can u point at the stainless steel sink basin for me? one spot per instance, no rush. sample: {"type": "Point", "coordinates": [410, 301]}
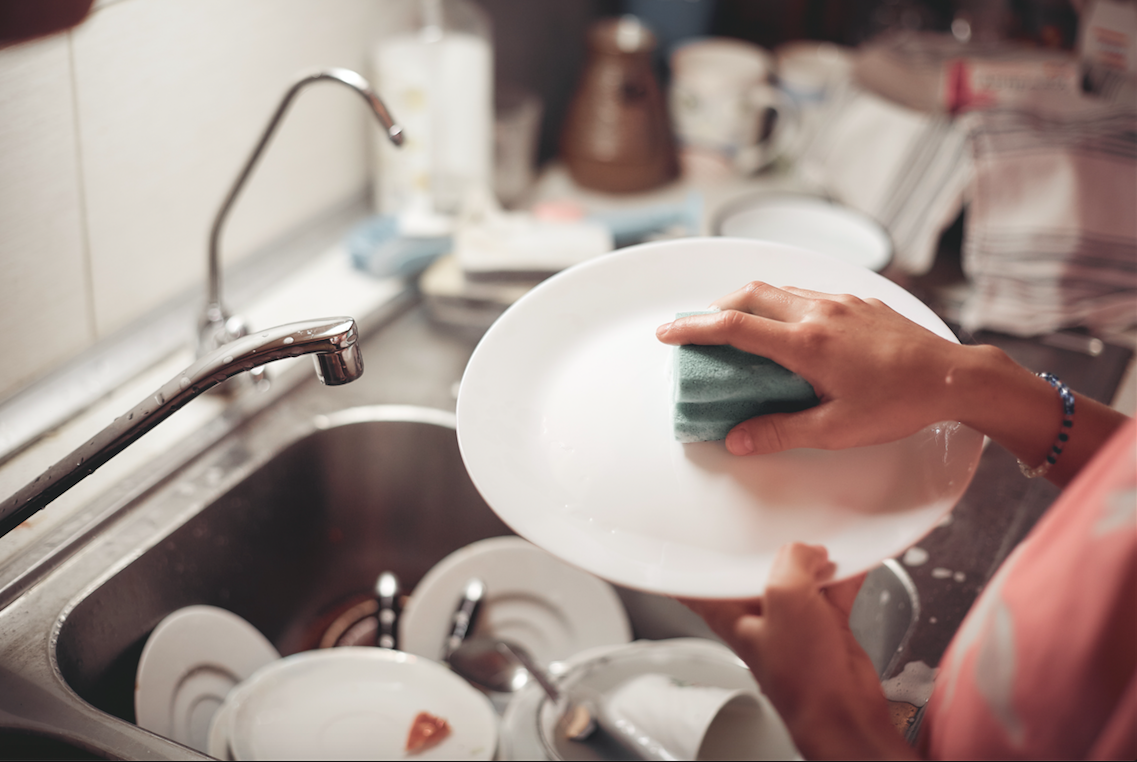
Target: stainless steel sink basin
{"type": "Point", "coordinates": [372, 489]}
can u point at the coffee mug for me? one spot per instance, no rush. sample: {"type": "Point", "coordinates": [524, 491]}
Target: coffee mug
{"type": "Point", "coordinates": [661, 718]}
{"type": "Point", "coordinates": [724, 109]}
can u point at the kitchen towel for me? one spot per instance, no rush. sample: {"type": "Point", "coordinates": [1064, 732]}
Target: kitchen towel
{"type": "Point", "coordinates": [907, 169]}
{"type": "Point", "coordinates": [1050, 235]}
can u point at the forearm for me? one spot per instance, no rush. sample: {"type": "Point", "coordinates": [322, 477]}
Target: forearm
{"type": "Point", "coordinates": [994, 395]}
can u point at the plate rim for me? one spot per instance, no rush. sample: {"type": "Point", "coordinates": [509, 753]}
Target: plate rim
{"type": "Point", "coordinates": [731, 249]}
{"type": "Point", "coordinates": [616, 615]}
{"type": "Point", "coordinates": [363, 654]}
{"type": "Point", "coordinates": [154, 662]}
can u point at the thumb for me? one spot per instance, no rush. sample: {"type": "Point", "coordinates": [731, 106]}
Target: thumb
{"type": "Point", "coordinates": [776, 432]}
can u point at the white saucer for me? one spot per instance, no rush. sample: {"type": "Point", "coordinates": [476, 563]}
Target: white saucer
{"type": "Point", "coordinates": [565, 426]}
{"type": "Point", "coordinates": [541, 603]}
{"type": "Point", "coordinates": [355, 703]}
{"type": "Point", "coordinates": [812, 223]}
{"type": "Point", "coordinates": [191, 661]}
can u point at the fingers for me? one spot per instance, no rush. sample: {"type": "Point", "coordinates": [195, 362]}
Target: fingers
{"type": "Point", "coordinates": [795, 579]}
{"type": "Point", "coordinates": [842, 594]}
{"type": "Point", "coordinates": [756, 318]}
{"type": "Point", "coordinates": [750, 333]}
{"type": "Point", "coordinates": [735, 621]}
{"type": "Point", "coordinates": [775, 432]}
{"type": "Point", "coordinates": [725, 327]}
{"type": "Point", "coordinates": [758, 298]}
{"type": "Point", "coordinates": [723, 609]}
{"type": "Point", "coordinates": [798, 566]}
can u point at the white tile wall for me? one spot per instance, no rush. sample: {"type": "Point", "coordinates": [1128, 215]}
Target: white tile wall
{"type": "Point", "coordinates": [120, 138]}
{"type": "Point", "coordinates": [44, 285]}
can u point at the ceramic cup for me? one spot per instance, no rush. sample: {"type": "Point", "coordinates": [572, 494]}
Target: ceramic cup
{"type": "Point", "coordinates": [725, 110]}
{"type": "Point", "coordinates": [662, 718]}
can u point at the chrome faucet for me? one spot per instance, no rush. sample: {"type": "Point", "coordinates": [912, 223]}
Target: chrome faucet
{"type": "Point", "coordinates": [217, 326]}
{"type": "Point", "coordinates": [224, 347]}
{"type": "Point", "coordinates": [331, 341]}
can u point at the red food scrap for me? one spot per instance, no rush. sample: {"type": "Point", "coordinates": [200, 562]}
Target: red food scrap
{"type": "Point", "coordinates": [426, 732]}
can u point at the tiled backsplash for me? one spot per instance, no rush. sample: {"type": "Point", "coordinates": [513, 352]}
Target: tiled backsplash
{"type": "Point", "coordinates": [120, 138]}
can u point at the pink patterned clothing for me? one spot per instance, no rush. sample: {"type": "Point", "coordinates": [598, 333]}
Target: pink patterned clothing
{"type": "Point", "coordinates": [1043, 666]}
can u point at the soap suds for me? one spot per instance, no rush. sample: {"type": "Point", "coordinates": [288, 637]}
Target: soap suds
{"type": "Point", "coordinates": [915, 556]}
{"type": "Point", "coordinates": [913, 685]}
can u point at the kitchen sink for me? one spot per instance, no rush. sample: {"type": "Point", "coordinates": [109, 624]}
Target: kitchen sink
{"type": "Point", "coordinates": [370, 489]}
{"type": "Point", "coordinates": [286, 518]}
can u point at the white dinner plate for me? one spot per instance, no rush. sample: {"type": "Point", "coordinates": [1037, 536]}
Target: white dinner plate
{"type": "Point", "coordinates": [811, 223]}
{"type": "Point", "coordinates": [533, 599]}
{"type": "Point", "coordinates": [565, 426]}
{"type": "Point", "coordinates": [356, 703]}
{"type": "Point", "coordinates": [191, 661]}
{"type": "Point", "coordinates": [599, 671]}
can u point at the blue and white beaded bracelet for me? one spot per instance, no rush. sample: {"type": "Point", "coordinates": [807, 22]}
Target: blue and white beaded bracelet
{"type": "Point", "coordinates": [1067, 397]}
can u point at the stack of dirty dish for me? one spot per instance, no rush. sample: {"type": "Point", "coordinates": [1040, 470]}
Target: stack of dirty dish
{"type": "Point", "coordinates": [209, 680]}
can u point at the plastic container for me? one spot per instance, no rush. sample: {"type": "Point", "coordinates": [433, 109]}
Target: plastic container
{"type": "Point", "coordinates": [435, 71]}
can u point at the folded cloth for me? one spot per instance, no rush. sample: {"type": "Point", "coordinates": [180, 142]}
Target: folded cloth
{"type": "Point", "coordinates": [905, 168]}
{"type": "Point", "coordinates": [888, 146]}
{"type": "Point", "coordinates": [1050, 236]}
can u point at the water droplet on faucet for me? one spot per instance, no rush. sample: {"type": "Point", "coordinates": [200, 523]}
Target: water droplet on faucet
{"type": "Point", "coordinates": [288, 339]}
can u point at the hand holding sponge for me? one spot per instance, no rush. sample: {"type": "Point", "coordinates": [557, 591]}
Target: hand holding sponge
{"type": "Point", "coordinates": [718, 387]}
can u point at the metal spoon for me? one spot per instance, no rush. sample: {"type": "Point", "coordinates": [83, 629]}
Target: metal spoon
{"type": "Point", "coordinates": [504, 667]}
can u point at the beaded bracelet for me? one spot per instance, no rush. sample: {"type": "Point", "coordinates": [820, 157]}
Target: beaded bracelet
{"type": "Point", "coordinates": [1067, 397]}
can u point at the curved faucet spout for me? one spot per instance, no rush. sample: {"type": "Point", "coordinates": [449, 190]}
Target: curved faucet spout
{"type": "Point", "coordinates": [331, 341]}
{"type": "Point", "coordinates": [217, 326]}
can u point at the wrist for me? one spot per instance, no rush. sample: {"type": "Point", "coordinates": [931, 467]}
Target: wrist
{"type": "Point", "coordinates": [844, 729]}
{"type": "Point", "coordinates": [993, 394]}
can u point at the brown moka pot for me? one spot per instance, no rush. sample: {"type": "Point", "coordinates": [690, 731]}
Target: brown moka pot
{"type": "Point", "coordinates": [617, 135]}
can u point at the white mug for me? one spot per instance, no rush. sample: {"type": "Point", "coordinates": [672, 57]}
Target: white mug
{"type": "Point", "coordinates": [724, 108]}
{"type": "Point", "coordinates": [662, 718]}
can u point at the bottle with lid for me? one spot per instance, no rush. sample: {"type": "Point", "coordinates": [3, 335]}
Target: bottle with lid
{"type": "Point", "coordinates": [435, 71]}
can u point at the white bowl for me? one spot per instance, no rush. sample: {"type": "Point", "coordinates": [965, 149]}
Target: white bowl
{"type": "Point", "coordinates": [355, 703]}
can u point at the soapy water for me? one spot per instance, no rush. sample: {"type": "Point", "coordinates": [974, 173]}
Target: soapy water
{"type": "Point", "coordinates": [915, 556]}
{"type": "Point", "coordinates": [913, 685]}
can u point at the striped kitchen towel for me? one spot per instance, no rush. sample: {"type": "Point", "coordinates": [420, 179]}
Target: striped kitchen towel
{"type": "Point", "coordinates": [1050, 234]}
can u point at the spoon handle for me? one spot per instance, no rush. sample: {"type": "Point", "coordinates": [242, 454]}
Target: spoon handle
{"type": "Point", "coordinates": [536, 672]}
{"type": "Point", "coordinates": [387, 591]}
{"type": "Point", "coordinates": [465, 616]}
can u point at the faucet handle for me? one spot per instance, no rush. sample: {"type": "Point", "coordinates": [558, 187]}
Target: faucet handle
{"type": "Point", "coordinates": [217, 328]}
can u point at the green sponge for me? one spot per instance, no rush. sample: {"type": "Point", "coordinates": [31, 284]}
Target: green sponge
{"type": "Point", "coordinates": [718, 387]}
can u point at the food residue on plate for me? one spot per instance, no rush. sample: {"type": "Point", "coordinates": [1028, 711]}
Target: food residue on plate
{"type": "Point", "coordinates": [427, 731]}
